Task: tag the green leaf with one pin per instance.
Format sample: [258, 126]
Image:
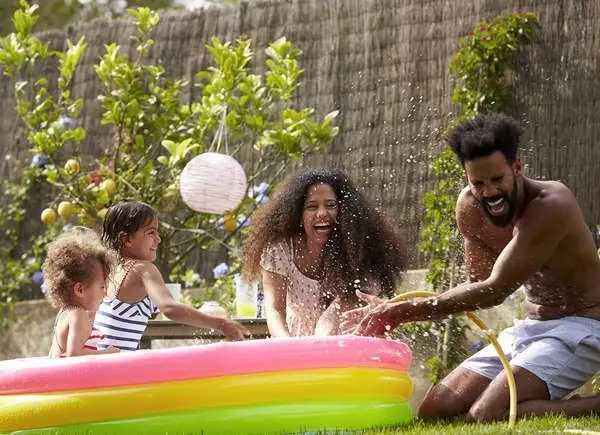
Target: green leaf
[170, 146]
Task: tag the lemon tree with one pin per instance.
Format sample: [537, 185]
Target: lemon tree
[156, 134]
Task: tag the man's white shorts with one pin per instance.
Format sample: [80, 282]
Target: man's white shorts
[564, 353]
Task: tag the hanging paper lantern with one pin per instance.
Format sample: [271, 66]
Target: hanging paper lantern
[212, 183]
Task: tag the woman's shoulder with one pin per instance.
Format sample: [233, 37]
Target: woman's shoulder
[284, 245]
[277, 257]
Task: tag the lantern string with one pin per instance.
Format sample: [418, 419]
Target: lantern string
[221, 133]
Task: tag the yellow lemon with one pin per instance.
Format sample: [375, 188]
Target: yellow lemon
[109, 186]
[229, 223]
[65, 209]
[72, 167]
[49, 216]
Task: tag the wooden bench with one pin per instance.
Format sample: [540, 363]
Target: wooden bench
[169, 330]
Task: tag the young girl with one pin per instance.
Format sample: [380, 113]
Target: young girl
[75, 271]
[314, 244]
[136, 289]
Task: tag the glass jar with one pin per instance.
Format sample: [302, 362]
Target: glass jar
[213, 308]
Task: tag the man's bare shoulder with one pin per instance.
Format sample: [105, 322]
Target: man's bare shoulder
[554, 191]
[550, 200]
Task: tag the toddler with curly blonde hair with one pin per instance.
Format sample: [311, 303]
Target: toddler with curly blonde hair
[75, 272]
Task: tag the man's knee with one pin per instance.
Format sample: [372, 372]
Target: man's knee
[439, 403]
[485, 411]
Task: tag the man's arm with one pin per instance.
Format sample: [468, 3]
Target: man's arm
[538, 234]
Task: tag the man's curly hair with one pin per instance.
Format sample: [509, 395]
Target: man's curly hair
[73, 258]
[362, 245]
[483, 135]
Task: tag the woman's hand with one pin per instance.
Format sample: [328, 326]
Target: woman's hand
[329, 322]
[234, 331]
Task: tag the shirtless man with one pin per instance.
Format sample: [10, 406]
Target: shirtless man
[517, 231]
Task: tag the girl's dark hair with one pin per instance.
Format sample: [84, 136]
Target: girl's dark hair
[483, 135]
[123, 219]
[361, 246]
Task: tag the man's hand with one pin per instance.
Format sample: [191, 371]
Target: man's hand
[381, 319]
[234, 331]
[376, 318]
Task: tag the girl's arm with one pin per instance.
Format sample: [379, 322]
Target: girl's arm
[78, 332]
[160, 295]
[275, 291]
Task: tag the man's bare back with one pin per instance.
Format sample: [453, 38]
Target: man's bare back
[568, 283]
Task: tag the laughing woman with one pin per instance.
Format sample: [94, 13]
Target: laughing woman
[313, 245]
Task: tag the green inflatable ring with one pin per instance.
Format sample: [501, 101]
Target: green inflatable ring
[294, 417]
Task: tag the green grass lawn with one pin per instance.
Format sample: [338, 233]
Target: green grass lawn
[550, 425]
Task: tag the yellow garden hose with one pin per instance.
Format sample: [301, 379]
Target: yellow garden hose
[512, 388]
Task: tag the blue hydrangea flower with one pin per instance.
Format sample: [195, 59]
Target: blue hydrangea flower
[263, 199]
[220, 270]
[67, 122]
[244, 221]
[38, 278]
[476, 346]
[39, 160]
[258, 190]
[261, 188]
[219, 223]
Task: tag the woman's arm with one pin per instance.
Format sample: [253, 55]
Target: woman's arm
[275, 291]
[160, 295]
[330, 320]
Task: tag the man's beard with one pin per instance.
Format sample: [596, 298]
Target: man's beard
[511, 201]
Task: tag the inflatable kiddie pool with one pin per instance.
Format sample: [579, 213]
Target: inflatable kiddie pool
[261, 386]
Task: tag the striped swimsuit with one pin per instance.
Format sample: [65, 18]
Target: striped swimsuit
[122, 324]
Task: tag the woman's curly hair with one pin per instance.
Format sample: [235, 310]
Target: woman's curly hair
[73, 258]
[362, 245]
